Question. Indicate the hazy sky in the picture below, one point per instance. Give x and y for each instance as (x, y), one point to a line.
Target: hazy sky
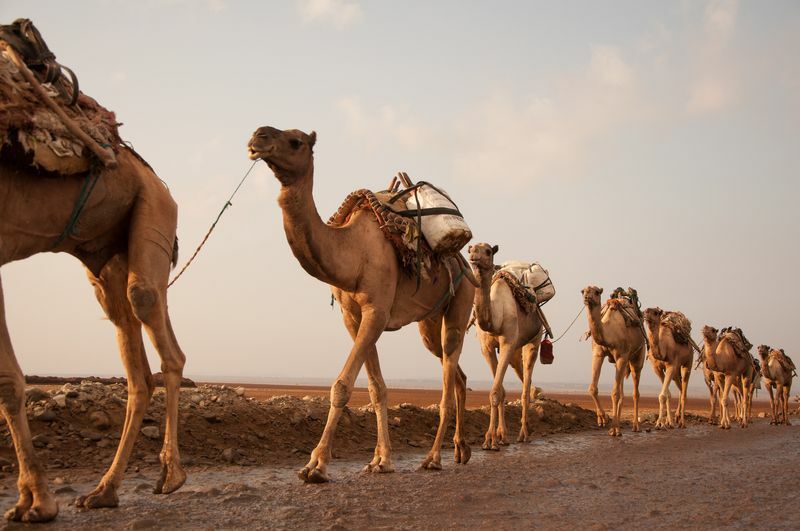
(646, 144)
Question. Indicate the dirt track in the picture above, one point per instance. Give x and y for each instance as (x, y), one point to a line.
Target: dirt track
(242, 454)
(701, 477)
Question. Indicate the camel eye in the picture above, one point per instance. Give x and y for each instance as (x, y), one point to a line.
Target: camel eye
(295, 143)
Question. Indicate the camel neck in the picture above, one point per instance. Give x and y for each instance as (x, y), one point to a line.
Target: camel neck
(595, 326)
(313, 242)
(652, 332)
(483, 302)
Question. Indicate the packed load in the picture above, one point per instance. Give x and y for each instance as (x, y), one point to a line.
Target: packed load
(534, 277)
(627, 303)
(43, 112)
(679, 325)
(421, 221)
(785, 361)
(735, 337)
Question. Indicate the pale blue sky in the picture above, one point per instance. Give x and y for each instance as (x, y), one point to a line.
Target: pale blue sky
(650, 144)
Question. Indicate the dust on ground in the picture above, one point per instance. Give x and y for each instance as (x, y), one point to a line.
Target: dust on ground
(243, 454)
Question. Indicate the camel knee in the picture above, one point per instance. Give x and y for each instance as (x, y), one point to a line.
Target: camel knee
(593, 390)
(497, 396)
(340, 394)
(143, 300)
(12, 393)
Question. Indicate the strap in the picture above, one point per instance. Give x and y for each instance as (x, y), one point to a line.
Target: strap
(428, 212)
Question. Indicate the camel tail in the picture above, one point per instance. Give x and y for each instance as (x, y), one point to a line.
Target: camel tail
(175, 252)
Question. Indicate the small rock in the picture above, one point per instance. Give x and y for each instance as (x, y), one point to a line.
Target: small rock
(105, 443)
(34, 394)
(151, 432)
(100, 420)
(60, 400)
(66, 489)
(45, 415)
(40, 441)
(231, 455)
(91, 435)
(239, 391)
(58, 480)
(762, 415)
(196, 398)
(396, 421)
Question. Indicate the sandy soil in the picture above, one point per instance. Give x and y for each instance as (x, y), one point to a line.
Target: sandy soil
(571, 476)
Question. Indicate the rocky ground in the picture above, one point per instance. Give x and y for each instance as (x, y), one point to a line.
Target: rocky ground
(242, 454)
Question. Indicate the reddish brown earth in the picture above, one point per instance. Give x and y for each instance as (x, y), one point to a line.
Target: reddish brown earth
(242, 454)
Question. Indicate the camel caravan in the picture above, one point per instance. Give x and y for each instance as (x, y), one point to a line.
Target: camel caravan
(392, 257)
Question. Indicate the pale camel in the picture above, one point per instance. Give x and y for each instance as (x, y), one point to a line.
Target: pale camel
(624, 345)
(375, 294)
(674, 354)
(779, 377)
(503, 325)
(721, 357)
(125, 237)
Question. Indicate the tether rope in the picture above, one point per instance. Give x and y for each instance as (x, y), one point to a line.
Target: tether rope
(224, 208)
(570, 325)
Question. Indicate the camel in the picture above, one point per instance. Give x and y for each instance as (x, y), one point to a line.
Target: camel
(503, 325)
(721, 357)
(624, 345)
(125, 238)
(778, 376)
(711, 379)
(671, 352)
(374, 293)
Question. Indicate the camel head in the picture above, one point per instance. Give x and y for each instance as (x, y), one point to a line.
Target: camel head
(763, 351)
(289, 154)
(481, 256)
(710, 334)
(653, 316)
(591, 296)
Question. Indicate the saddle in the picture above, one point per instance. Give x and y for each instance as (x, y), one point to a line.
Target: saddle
(679, 325)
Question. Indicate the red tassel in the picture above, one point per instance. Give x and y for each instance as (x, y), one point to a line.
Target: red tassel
(546, 352)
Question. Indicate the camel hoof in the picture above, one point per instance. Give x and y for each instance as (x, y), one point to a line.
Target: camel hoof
(104, 496)
(32, 514)
(312, 476)
(172, 478)
(636, 429)
(462, 453)
(431, 465)
(380, 468)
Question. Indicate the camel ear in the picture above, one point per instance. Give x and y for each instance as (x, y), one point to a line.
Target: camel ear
(312, 139)
(600, 291)
(469, 249)
(495, 248)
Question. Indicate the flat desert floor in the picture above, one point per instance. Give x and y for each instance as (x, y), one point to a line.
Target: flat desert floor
(244, 443)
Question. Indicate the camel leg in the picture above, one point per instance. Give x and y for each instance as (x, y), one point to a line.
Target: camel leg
(772, 405)
(712, 395)
(686, 372)
(110, 289)
(35, 503)
(490, 355)
(787, 390)
(597, 364)
(529, 354)
(497, 395)
(636, 375)
(617, 396)
(150, 253)
(663, 399)
(725, 421)
(453, 329)
(745, 405)
(372, 323)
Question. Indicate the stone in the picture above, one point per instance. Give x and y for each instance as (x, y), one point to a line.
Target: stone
(762, 415)
(40, 441)
(45, 415)
(231, 455)
(151, 432)
(239, 391)
(60, 400)
(34, 394)
(100, 420)
(395, 421)
(91, 435)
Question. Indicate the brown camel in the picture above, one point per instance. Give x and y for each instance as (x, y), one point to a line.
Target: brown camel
(721, 356)
(623, 344)
(375, 294)
(712, 380)
(125, 237)
(503, 325)
(778, 376)
(671, 353)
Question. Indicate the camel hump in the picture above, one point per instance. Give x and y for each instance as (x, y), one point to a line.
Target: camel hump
(737, 340)
(626, 308)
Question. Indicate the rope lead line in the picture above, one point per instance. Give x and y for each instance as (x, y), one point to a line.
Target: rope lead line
(227, 204)
(570, 325)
